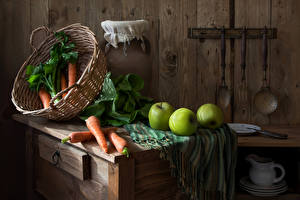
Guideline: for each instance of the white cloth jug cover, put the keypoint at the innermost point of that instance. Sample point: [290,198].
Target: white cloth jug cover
[124,31]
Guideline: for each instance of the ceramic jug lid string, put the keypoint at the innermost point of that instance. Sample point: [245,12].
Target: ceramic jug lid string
[123,32]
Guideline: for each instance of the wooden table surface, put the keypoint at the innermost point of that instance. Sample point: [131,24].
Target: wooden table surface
[258,140]
[62,129]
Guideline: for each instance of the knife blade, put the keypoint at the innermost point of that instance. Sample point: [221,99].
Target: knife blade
[270,133]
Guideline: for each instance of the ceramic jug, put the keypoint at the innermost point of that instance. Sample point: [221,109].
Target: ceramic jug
[127,50]
[262,171]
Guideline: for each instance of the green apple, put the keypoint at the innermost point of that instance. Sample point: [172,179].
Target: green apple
[183,122]
[159,115]
[210,116]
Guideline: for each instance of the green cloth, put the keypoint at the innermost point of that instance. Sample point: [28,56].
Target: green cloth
[204,163]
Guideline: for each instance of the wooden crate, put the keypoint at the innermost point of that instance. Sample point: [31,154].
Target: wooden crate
[84,173]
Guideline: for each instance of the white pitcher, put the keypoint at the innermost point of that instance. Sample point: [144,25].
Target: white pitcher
[262,171]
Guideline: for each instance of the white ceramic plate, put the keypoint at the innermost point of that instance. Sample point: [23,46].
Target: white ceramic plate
[243,128]
[246,183]
[262,191]
[266,194]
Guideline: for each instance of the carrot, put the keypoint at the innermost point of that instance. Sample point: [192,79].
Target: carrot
[71,74]
[45,97]
[75,137]
[83,136]
[93,124]
[63,83]
[118,142]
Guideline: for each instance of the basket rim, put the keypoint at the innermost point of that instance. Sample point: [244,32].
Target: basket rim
[94,58]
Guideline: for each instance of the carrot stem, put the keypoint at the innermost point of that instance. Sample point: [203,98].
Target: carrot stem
[64,140]
[126,152]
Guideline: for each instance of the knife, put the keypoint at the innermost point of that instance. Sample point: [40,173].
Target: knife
[270,134]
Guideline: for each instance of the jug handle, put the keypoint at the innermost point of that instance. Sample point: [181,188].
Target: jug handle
[276,180]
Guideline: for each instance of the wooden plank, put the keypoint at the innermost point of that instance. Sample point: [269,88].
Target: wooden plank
[149,155]
[14,22]
[15,29]
[121,180]
[254,14]
[188,51]
[169,51]
[284,61]
[113,182]
[153,176]
[66,186]
[99,170]
[155,180]
[164,190]
[229,111]
[63,13]
[131,10]
[150,11]
[70,159]
[97,11]
[211,14]
[262,141]
[61,130]
[29,156]
[39,16]
[148,168]
[127,179]
[39,13]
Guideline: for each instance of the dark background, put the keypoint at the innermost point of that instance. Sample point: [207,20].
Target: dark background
[13,53]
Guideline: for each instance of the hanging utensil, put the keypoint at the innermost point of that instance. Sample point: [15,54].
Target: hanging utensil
[224,93]
[265,101]
[243,88]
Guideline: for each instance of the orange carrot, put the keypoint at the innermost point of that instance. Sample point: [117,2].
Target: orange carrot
[83,136]
[93,124]
[45,97]
[75,137]
[119,142]
[72,74]
[63,83]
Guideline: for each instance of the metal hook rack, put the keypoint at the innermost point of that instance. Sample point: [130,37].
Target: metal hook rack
[231,33]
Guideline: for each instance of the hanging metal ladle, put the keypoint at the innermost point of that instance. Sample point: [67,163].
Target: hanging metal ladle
[265,101]
[224,93]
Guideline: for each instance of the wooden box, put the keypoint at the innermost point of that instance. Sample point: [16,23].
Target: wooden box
[82,171]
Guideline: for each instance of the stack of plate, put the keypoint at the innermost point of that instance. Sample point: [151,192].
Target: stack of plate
[263,191]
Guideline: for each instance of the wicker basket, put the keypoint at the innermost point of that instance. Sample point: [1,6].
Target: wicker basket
[91,70]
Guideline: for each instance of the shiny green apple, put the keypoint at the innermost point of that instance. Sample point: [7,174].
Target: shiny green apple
[183,122]
[159,115]
[210,116]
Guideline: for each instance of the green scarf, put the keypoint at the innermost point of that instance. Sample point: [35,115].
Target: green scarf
[204,163]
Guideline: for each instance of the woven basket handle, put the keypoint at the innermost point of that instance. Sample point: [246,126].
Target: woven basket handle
[33,34]
[61,93]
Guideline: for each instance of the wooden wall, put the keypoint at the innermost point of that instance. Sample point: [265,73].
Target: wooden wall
[186,72]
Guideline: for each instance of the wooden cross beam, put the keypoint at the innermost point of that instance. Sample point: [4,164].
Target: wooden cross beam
[231,33]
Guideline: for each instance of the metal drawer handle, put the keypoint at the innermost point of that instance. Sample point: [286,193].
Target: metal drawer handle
[55,157]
